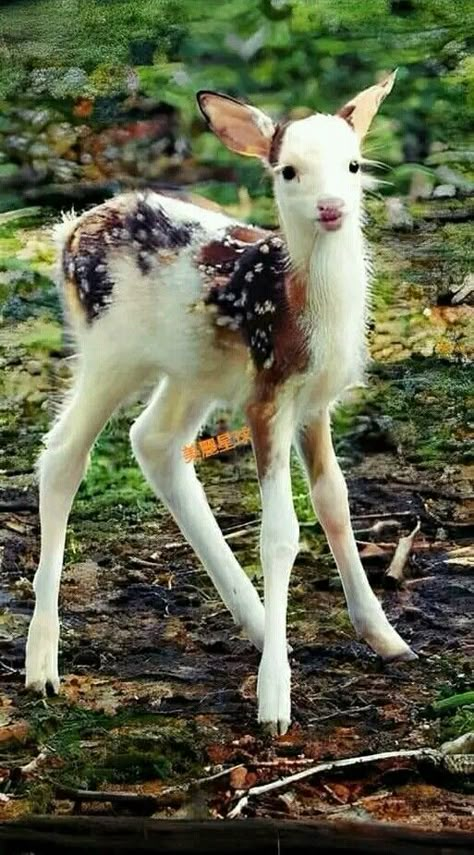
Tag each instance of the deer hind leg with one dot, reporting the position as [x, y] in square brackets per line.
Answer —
[62, 465]
[329, 497]
[170, 421]
[272, 436]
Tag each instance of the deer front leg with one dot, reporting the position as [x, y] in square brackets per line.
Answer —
[272, 434]
[329, 497]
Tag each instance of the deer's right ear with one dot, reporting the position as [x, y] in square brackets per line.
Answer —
[242, 128]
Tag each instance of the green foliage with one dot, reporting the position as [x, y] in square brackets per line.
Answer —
[428, 403]
[123, 748]
[282, 54]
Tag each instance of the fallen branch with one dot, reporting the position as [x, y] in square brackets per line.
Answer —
[106, 835]
[140, 803]
[426, 753]
[396, 571]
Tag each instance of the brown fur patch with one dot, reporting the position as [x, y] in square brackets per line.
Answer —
[260, 415]
[131, 224]
[276, 143]
[346, 113]
[72, 304]
[316, 446]
[216, 253]
[248, 234]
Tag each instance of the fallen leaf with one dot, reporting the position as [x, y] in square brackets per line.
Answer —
[238, 777]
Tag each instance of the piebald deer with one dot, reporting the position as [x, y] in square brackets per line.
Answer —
[216, 311]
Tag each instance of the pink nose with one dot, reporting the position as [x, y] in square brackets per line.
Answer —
[330, 208]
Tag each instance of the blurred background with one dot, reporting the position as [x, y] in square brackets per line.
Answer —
[97, 95]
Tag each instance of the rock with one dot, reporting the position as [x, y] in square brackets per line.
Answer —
[397, 215]
[39, 150]
[456, 179]
[33, 366]
[61, 136]
[444, 191]
[465, 292]
[41, 118]
[63, 170]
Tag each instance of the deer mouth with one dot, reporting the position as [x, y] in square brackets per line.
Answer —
[330, 221]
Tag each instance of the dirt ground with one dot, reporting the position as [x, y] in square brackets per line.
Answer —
[158, 686]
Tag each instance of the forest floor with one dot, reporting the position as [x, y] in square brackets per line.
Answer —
[158, 686]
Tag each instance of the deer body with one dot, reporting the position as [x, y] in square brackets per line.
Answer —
[215, 311]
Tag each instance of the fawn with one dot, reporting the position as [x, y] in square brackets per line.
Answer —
[215, 311]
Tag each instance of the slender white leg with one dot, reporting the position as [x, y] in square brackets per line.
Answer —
[329, 496]
[61, 468]
[279, 547]
[170, 421]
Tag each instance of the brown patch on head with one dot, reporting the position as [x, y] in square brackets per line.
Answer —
[346, 114]
[276, 143]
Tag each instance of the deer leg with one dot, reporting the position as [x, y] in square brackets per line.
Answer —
[329, 497]
[61, 468]
[272, 434]
[170, 421]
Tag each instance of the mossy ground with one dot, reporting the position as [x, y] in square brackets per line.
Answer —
[157, 683]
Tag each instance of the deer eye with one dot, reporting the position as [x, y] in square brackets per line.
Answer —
[288, 172]
[354, 166]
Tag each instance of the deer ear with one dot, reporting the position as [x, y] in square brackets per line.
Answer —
[360, 111]
[242, 128]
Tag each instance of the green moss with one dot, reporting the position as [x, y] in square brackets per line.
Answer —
[427, 400]
[114, 482]
[41, 337]
[124, 748]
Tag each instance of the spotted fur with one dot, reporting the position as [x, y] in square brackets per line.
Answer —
[253, 297]
[138, 227]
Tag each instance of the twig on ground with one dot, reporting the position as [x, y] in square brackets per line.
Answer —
[419, 753]
[33, 764]
[378, 528]
[396, 571]
[386, 516]
[229, 534]
[346, 713]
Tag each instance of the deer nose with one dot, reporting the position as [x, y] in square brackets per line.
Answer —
[330, 207]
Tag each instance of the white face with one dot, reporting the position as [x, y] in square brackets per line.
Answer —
[318, 177]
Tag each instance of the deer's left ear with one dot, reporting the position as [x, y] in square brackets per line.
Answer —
[360, 111]
[241, 127]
